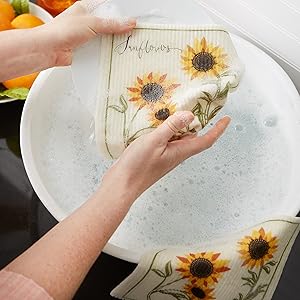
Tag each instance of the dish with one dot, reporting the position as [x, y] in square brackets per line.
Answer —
[250, 175]
[43, 15]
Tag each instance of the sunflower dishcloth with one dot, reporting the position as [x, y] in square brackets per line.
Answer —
[147, 75]
[244, 266]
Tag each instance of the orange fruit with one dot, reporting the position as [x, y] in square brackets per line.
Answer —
[4, 22]
[26, 21]
[21, 82]
[7, 10]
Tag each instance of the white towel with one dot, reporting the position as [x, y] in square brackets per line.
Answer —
[243, 266]
[155, 70]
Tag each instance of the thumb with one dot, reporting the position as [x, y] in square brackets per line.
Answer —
[172, 126]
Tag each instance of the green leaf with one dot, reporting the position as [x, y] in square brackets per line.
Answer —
[159, 273]
[250, 280]
[117, 108]
[168, 268]
[271, 263]
[20, 6]
[16, 93]
[247, 283]
[267, 269]
[241, 296]
[214, 112]
[224, 92]
[123, 103]
[254, 275]
[209, 96]
[177, 294]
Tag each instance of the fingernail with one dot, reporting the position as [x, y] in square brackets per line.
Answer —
[186, 117]
[228, 118]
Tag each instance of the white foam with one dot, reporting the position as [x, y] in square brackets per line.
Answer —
[242, 179]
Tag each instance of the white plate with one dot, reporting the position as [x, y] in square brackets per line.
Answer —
[44, 16]
[251, 174]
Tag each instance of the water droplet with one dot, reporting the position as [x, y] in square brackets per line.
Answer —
[271, 121]
[236, 214]
[239, 127]
[166, 190]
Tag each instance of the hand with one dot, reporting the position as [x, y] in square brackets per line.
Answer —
[76, 26]
[152, 156]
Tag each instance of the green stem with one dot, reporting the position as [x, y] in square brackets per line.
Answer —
[149, 270]
[161, 286]
[154, 290]
[124, 129]
[207, 111]
[131, 121]
[249, 294]
[131, 139]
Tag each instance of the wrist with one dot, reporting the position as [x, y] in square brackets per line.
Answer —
[119, 188]
[48, 45]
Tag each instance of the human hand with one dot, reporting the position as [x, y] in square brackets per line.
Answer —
[76, 26]
[152, 156]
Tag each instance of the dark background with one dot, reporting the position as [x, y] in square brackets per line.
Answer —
[24, 219]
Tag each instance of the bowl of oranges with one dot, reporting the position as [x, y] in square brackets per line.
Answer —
[19, 14]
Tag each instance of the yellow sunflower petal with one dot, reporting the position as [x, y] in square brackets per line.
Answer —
[262, 233]
[139, 80]
[203, 44]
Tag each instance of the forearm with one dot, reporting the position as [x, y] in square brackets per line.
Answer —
[61, 259]
[24, 51]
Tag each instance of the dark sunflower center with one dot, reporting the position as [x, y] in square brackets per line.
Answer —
[199, 293]
[152, 92]
[201, 268]
[203, 61]
[162, 114]
[258, 248]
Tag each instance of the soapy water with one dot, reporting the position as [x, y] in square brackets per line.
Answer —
[238, 182]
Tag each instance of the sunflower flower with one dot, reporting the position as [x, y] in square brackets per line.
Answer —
[203, 59]
[258, 248]
[150, 89]
[196, 292]
[202, 268]
[160, 112]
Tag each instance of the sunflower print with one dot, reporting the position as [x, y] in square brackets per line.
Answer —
[203, 59]
[204, 268]
[196, 292]
[258, 248]
[160, 112]
[150, 89]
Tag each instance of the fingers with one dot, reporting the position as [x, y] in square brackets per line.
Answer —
[172, 126]
[108, 26]
[98, 25]
[201, 143]
[91, 5]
